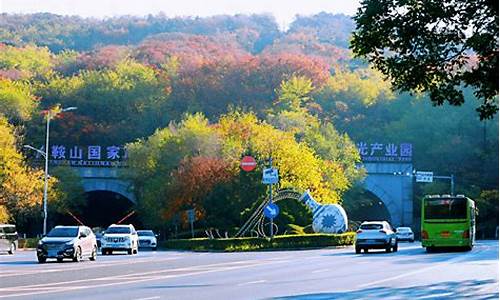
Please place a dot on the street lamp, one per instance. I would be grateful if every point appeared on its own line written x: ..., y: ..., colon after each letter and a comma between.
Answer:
x: 50, y: 114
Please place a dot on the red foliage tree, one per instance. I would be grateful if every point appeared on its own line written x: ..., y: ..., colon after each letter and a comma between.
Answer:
x: 192, y: 180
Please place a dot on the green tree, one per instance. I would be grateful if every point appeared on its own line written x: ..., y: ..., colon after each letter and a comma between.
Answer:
x: 68, y: 192
x: 433, y: 46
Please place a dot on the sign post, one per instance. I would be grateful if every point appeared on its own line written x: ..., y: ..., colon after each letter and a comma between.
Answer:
x: 191, y: 217
x: 270, y: 177
x: 421, y: 176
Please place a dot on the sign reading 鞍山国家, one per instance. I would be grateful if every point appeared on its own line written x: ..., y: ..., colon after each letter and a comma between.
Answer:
x: 86, y: 156
x: 389, y: 152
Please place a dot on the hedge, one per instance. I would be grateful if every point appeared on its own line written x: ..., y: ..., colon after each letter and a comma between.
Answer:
x: 253, y: 243
x: 27, y: 243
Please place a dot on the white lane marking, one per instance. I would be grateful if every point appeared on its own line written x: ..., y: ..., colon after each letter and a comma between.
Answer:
x: 149, y: 298
x: 251, y: 282
x: 453, y: 260
x: 69, y: 288
x: 91, y: 265
x: 131, y: 278
x: 320, y: 271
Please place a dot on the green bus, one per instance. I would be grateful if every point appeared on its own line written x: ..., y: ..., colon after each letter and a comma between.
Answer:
x: 448, y: 221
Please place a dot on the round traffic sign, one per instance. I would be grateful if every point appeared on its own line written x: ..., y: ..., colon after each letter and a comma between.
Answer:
x: 271, y: 210
x: 248, y: 163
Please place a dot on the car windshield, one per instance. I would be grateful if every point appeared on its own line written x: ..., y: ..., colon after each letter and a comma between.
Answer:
x: 446, y: 208
x: 118, y: 230
x: 145, y: 233
x: 371, y: 226
x: 63, y: 232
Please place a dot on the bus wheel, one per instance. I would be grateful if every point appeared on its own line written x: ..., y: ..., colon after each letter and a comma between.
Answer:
x: 468, y: 248
x: 429, y: 249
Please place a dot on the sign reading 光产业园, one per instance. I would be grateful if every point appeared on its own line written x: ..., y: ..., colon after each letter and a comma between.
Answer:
x: 389, y: 152
x: 86, y: 156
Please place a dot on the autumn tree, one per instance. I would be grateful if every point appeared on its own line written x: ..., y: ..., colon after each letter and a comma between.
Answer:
x: 433, y: 46
x: 20, y: 186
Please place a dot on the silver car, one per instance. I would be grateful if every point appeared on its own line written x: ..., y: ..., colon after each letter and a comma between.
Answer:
x: 73, y: 242
x: 376, y: 235
x: 147, y: 239
x: 405, y: 234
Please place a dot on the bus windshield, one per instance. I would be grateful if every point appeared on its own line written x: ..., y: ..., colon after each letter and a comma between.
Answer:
x: 445, y: 208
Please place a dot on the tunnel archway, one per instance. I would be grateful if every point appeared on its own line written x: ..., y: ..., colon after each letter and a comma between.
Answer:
x: 362, y: 205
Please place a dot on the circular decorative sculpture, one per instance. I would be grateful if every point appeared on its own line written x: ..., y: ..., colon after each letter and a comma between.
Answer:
x: 329, y: 218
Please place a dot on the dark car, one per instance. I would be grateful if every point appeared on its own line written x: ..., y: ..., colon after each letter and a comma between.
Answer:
x: 8, y: 238
x: 98, y: 237
x: 73, y: 242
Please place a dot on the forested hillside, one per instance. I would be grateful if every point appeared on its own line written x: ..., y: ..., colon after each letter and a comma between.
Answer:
x: 186, y: 92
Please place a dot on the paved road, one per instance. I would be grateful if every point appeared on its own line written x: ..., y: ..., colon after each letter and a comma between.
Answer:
x: 314, y: 274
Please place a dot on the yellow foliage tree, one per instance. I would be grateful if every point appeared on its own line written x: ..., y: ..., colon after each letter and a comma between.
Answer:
x: 21, y: 188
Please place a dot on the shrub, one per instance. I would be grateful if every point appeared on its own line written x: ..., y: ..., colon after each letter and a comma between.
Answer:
x: 27, y: 243
x: 252, y: 243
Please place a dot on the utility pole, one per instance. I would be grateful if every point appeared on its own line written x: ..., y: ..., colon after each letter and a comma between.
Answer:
x: 50, y: 114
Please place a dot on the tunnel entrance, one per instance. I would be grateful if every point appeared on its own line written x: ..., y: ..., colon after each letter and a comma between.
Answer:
x: 101, y: 209
x: 361, y: 205
x: 105, y: 207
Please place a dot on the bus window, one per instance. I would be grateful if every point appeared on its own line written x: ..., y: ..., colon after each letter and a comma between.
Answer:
x: 447, y: 208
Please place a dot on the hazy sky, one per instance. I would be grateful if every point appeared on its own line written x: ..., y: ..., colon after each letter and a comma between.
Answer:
x: 283, y: 10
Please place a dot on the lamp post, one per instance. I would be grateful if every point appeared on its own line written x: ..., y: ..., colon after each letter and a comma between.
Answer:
x: 50, y: 114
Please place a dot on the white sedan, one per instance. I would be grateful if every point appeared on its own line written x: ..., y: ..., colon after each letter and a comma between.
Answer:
x: 147, y: 239
x: 405, y: 234
x: 376, y: 235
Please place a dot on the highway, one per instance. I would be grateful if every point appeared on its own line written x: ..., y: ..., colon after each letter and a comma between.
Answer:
x: 410, y: 273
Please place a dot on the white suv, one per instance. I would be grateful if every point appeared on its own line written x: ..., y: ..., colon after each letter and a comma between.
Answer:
x: 376, y: 235
x: 120, y: 238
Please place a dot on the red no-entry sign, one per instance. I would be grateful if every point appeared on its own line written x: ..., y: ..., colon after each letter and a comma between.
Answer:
x: 248, y: 163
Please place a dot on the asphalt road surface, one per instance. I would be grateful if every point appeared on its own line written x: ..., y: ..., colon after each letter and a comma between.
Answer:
x: 411, y: 273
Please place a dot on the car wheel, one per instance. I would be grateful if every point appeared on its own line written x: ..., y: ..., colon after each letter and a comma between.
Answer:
x: 104, y: 252
x: 358, y: 250
x: 59, y: 259
x: 395, y: 248
x: 129, y: 251
x: 78, y: 254
x: 366, y: 250
x: 412, y: 240
x: 12, y: 248
x: 154, y: 248
x: 93, y: 256
x: 41, y: 259
x: 388, y: 249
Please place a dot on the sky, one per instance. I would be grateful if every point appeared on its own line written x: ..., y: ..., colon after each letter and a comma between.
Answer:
x: 283, y: 10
